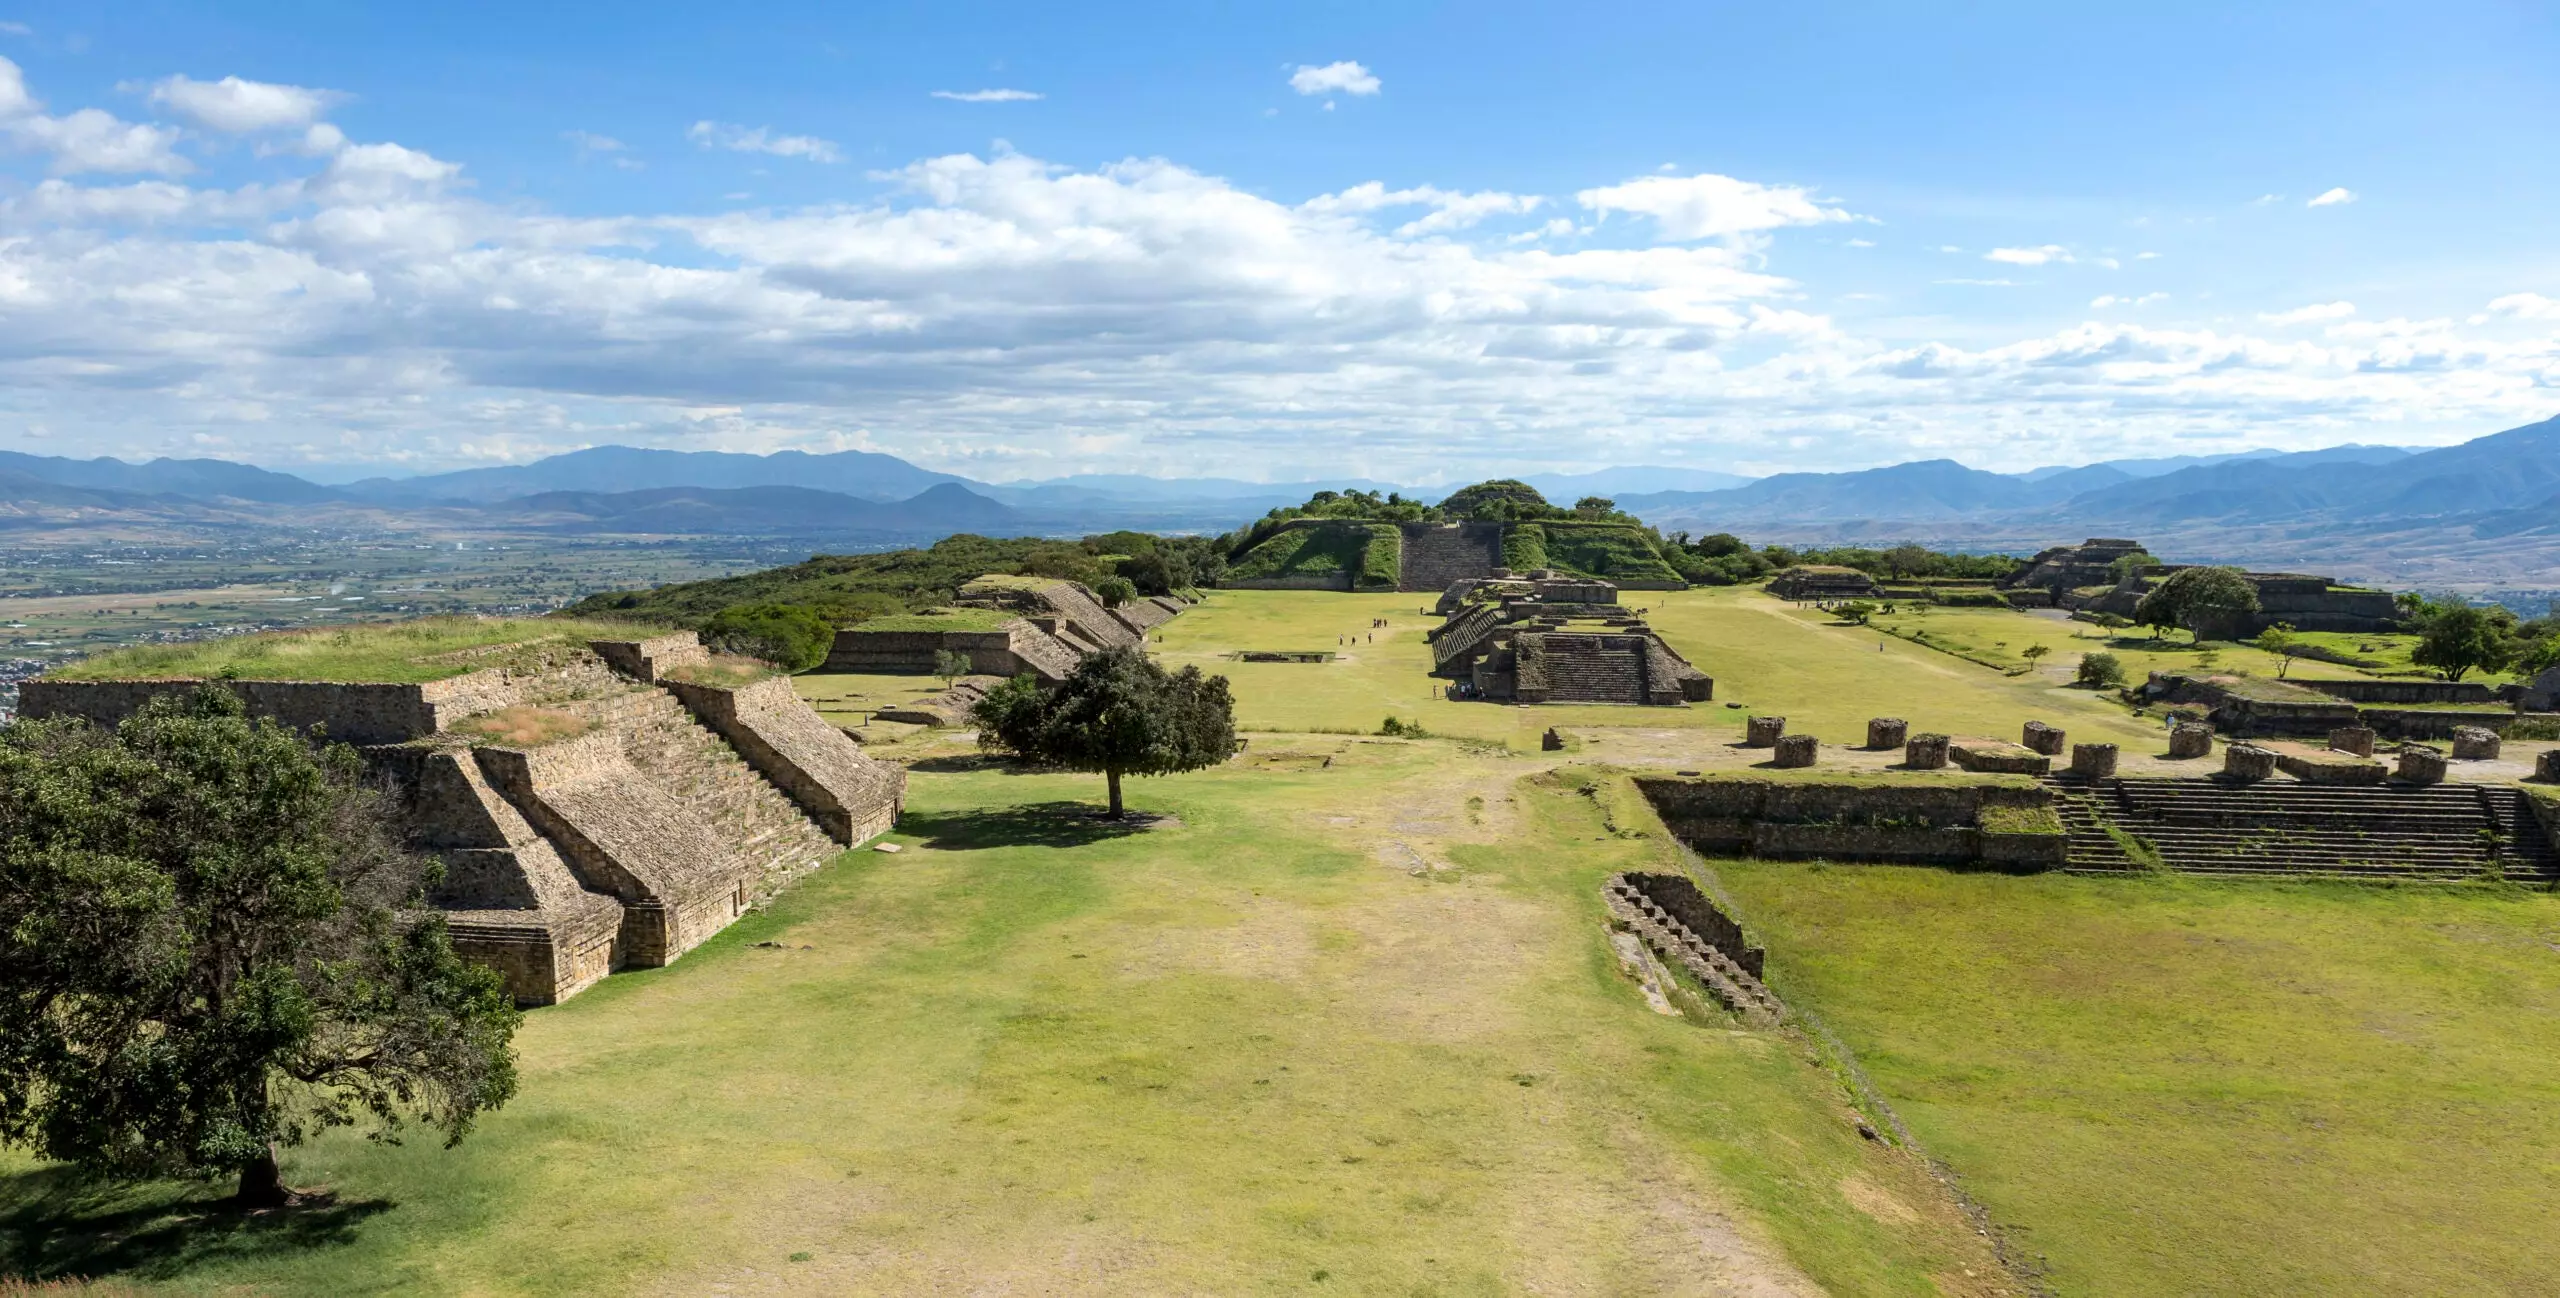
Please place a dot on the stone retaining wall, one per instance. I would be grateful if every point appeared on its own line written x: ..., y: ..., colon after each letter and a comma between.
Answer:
x: 1926, y: 823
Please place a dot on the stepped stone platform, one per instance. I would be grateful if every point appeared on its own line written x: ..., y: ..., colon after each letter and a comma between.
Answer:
x: 597, y: 806
x: 2273, y: 827
x: 1046, y: 627
x: 1563, y: 640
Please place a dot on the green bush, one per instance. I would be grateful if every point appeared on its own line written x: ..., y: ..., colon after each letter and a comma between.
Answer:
x: 1610, y: 551
x: 2101, y: 670
x: 794, y: 637
x: 1524, y: 547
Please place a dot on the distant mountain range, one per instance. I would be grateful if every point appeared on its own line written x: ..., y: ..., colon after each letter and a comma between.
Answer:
x: 2486, y: 512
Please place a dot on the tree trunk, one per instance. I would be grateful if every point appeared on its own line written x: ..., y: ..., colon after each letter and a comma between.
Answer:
x: 262, y: 1182
x: 1113, y: 774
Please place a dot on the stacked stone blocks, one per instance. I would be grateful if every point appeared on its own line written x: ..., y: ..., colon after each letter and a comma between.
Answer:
x: 1796, y: 751
x: 1885, y: 733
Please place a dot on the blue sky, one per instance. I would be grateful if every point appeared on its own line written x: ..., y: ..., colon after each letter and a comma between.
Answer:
x: 1407, y: 242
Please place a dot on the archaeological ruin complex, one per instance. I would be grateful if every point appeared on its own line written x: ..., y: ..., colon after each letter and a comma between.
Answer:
x: 1553, y: 639
x: 597, y: 805
x: 1423, y: 557
x: 1004, y: 626
x: 2083, y: 578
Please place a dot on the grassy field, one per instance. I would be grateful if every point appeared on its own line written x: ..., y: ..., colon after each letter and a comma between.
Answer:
x: 405, y: 652
x: 2178, y: 1086
x: 1340, y: 1027
x: 1346, y: 1020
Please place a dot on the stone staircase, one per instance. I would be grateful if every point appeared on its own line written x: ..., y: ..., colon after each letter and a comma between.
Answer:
x: 2528, y: 855
x: 1596, y: 676
x: 742, y: 809
x: 1437, y: 555
x: 2088, y: 845
x: 2205, y: 826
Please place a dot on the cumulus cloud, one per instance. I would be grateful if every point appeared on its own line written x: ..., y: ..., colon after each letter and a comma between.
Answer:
x: 2333, y: 197
x: 1017, y: 316
x: 2051, y: 252
x: 1707, y: 206
x: 1345, y: 77
x: 2526, y: 306
x: 740, y: 139
x: 989, y: 96
x: 1452, y: 210
x: 2311, y: 314
x: 86, y: 140
x: 235, y: 106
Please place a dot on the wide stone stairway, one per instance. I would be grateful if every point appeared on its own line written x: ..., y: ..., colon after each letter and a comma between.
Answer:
x: 1595, y: 676
x: 1437, y: 555
x: 2207, y: 826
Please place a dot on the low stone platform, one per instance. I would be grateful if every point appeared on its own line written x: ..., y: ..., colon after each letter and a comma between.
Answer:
x: 1998, y: 756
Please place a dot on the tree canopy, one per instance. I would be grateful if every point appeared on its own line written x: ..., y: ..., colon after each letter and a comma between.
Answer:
x: 795, y: 637
x: 2456, y: 638
x: 211, y: 944
x: 2197, y: 599
x: 1118, y: 713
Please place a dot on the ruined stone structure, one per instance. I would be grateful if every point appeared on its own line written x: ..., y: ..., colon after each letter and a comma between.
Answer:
x: 1887, y: 732
x: 1438, y: 555
x: 2302, y: 601
x: 1934, y: 821
x: 660, y: 809
x: 1926, y: 752
x: 2346, y: 822
x: 2094, y: 761
x: 949, y: 708
x: 2475, y: 744
x: 1558, y: 641
x: 2247, y: 762
x: 1796, y: 751
x: 1054, y: 624
x: 1373, y: 554
x: 2064, y: 568
x: 1763, y: 732
x: 2542, y: 693
x: 1822, y: 581
x: 2044, y: 739
x: 1681, y: 925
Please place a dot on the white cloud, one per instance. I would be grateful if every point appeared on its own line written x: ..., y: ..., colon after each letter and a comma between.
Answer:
x: 1979, y: 283
x: 2310, y: 314
x: 2110, y: 299
x: 89, y: 139
x: 1345, y: 77
x: 591, y: 145
x: 1687, y: 208
x: 16, y: 29
x: 237, y: 107
x: 2146, y: 256
x: 2051, y: 252
x: 740, y: 139
x: 1008, y: 316
x: 989, y: 96
x: 94, y: 140
x: 2333, y: 197
x: 2526, y: 306
x: 1862, y: 243
x: 1452, y: 210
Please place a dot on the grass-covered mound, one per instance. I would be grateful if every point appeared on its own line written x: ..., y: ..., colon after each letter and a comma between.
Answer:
x: 1609, y: 551
x: 1370, y: 552
x: 848, y: 588
x: 405, y: 653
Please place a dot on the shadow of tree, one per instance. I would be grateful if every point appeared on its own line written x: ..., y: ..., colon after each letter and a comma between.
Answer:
x: 1038, y: 824
x: 959, y: 763
x: 61, y: 1222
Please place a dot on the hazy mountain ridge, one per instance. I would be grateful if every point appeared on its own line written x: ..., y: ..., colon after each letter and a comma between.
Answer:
x: 2487, y: 503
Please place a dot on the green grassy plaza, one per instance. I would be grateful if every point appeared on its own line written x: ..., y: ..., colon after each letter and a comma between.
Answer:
x: 1346, y: 1020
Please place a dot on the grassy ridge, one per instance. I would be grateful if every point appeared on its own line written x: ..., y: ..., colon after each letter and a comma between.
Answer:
x: 429, y: 649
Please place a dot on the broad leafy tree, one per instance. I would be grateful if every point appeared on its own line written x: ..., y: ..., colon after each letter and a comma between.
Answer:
x: 2456, y: 638
x: 212, y: 945
x: 1117, y: 713
x: 1115, y: 591
x: 796, y: 637
x: 2198, y: 599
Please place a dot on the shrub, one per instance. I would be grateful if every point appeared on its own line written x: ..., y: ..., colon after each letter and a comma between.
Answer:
x: 2101, y: 670
x: 1115, y: 591
x: 794, y: 637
